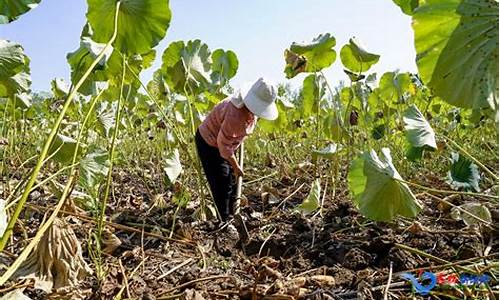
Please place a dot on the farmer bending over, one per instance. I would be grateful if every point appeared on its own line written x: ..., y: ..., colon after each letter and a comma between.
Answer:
x: 222, y: 132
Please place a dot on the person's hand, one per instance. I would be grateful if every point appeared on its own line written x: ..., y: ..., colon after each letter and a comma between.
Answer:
x: 238, y: 171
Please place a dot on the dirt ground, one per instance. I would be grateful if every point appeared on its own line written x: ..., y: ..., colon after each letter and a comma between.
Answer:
x: 277, y: 254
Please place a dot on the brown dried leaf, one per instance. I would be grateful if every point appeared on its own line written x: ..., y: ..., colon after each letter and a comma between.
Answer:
x: 322, y: 280
x: 57, y: 260
x: 110, y: 241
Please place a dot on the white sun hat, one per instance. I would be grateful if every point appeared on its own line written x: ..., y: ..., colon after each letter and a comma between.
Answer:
x: 260, y: 99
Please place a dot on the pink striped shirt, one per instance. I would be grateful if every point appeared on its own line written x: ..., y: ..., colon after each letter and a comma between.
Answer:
x: 226, y: 126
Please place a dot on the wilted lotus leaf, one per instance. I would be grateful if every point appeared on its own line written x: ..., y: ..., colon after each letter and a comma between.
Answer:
x: 295, y: 63
x: 110, y: 242
x: 57, y: 261
x: 472, y: 208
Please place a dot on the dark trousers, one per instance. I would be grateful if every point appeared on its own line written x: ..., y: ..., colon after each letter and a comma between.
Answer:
x: 220, y: 177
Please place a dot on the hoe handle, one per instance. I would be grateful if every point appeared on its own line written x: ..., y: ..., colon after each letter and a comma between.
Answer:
x: 240, y: 181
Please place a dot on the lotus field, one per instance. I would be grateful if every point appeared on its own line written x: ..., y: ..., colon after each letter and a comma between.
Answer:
x: 382, y: 186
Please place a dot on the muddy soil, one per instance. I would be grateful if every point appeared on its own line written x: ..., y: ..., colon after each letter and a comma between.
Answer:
x: 271, y: 252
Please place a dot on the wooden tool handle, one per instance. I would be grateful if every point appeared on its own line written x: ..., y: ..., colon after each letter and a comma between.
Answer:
x: 240, y: 181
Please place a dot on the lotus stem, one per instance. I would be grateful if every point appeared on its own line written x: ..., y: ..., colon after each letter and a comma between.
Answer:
x: 432, y: 257
x: 111, y: 154
x: 43, y: 228
x: 448, y: 192
x: 50, y: 139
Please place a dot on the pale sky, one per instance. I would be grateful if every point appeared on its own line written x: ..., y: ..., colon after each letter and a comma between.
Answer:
x: 258, y: 31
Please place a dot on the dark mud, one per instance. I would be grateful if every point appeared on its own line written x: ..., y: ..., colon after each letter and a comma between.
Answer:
x: 277, y: 254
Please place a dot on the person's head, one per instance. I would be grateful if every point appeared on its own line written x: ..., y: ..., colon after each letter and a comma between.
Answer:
x: 260, y: 99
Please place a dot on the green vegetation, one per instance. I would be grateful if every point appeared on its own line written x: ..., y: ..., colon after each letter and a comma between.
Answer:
x: 389, y: 143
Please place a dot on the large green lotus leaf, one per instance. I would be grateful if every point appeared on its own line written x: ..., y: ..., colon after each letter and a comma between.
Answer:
x: 14, y: 70
x: 141, y: 106
x: 157, y: 86
x: 378, y: 192
x: 172, y: 68
x: 310, y: 56
x: 457, y: 50
x: 81, y: 59
x: 93, y: 168
x: 12, y: 58
x: 86, y: 53
x: 147, y: 59
x: 173, y: 166
x: 186, y: 67
x: 332, y: 127
x: 109, y: 69
x: 280, y: 124
x: 136, y: 63
x: 393, y: 86
x: 463, y: 173
x: 419, y: 132
x: 65, y: 147
x: 224, y: 66
x: 10, y: 10
x: 17, y: 84
x: 197, y: 62
x: 142, y: 24
x: 59, y: 88
x: 22, y: 101
x: 378, y: 131
x: 105, y: 120
x: 312, y: 201
x: 356, y: 58
x: 407, y: 6
x: 313, y: 90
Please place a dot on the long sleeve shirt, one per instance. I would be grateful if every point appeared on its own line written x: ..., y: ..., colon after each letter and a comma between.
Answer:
x: 226, y: 126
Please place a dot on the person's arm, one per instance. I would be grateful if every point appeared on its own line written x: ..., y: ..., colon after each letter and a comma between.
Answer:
x: 229, y: 138
x: 238, y: 171
x: 227, y: 152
